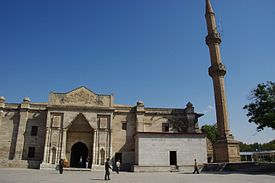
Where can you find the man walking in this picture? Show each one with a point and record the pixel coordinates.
(107, 172)
(196, 167)
(61, 165)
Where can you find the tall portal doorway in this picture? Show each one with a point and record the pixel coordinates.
(173, 158)
(79, 155)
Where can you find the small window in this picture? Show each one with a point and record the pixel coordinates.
(34, 130)
(124, 126)
(31, 152)
(165, 127)
(102, 154)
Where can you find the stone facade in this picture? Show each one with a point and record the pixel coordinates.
(81, 126)
(181, 148)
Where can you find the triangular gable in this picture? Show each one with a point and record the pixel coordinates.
(80, 96)
(81, 88)
(80, 124)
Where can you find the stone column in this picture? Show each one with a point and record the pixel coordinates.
(140, 116)
(2, 107)
(24, 112)
(59, 145)
(64, 145)
(95, 148)
(190, 115)
(46, 148)
(110, 137)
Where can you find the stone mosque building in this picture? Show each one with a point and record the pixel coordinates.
(82, 127)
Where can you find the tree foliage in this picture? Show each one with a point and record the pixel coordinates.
(257, 147)
(211, 132)
(261, 110)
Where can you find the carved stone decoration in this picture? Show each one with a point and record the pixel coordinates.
(80, 97)
(179, 125)
(56, 121)
(99, 100)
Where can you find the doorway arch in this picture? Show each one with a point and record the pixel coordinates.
(79, 155)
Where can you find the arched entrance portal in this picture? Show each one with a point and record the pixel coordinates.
(79, 154)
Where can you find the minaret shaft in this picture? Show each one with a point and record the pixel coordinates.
(226, 148)
(215, 54)
(221, 111)
(217, 71)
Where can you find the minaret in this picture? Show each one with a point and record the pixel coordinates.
(226, 148)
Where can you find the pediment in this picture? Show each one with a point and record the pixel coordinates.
(80, 96)
(80, 124)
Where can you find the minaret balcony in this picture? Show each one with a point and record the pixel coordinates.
(213, 38)
(217, 70)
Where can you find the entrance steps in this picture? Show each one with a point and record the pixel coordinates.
(182, 168)
(94, 168)
(77, 169)
(56, 167)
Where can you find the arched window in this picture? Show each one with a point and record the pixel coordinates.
(102, 156)
(53, 155)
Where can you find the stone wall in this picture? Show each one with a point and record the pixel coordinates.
(153, 149)
(17, 122)
(8, 134)
(123, 139)
(38, 141)
(103, 127)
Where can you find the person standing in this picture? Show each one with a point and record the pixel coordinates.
(80, 162)
(117, 166)
(107, 171)
(61, 165)
(87, 162)
(196, 167)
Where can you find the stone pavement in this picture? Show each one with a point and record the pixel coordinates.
(52, 176)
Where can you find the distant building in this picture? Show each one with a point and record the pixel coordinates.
(247, 156)
(81, 126)
(259, 156)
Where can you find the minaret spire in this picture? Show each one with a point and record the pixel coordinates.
(209, 8)
(210, 18)
(226, 144)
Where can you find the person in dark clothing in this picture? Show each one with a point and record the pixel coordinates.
(61, 165)
(107, 172)
(196, 167)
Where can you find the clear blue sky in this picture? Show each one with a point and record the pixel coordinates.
(150, 50)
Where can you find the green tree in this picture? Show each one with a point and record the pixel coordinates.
(261, 110)
(257, 147)
(250, 147)
(211, 132)
(269, 146)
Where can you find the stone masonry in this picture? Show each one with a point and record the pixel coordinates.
(226, 148)
(81, 126)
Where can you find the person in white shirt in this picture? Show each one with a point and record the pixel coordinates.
(117, 166)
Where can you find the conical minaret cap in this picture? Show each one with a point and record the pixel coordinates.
(208, 7)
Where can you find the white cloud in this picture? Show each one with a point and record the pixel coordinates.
(209, 109)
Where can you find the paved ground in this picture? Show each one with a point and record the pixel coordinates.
(51, 176)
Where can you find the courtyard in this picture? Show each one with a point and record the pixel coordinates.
(52, 176)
